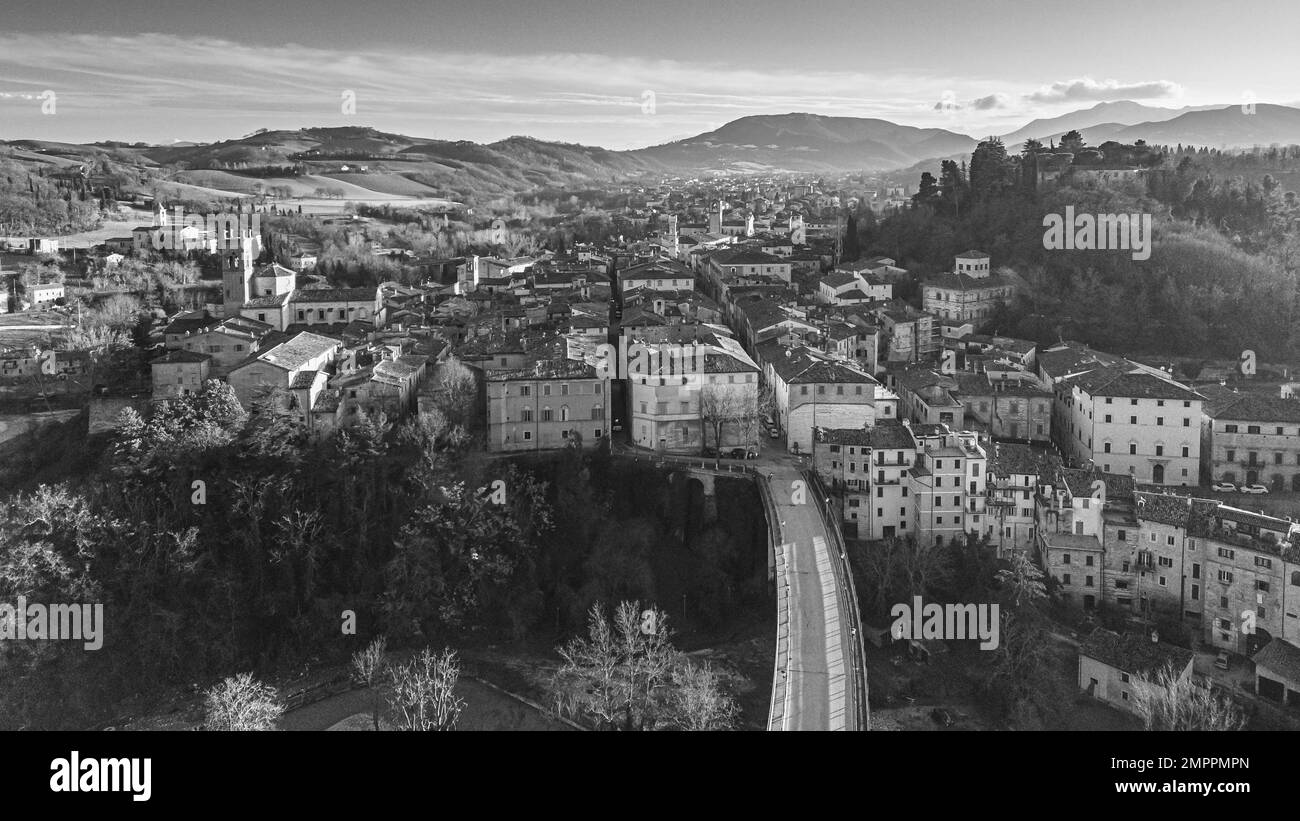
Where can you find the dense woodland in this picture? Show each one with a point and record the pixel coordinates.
(1222, 276)
(397, 523)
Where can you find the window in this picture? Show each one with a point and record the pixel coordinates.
(1132, 420)
(1132, 448)
(1227, 553)
(525, 390)
(1229, 428)
(528, 434)
(1123, 677)
(1065, 558)
(1120, 535)
(1065, 579)
(1165, 561)
(1223, 602)
(1231, 455)
(526, 414)
(1087, 560)
(1225, 576)
(1252, 429)
(1106, 447)
(1160, 450)
(1196, 592)
(1261, 585)
(546, 414)
(1196, 571)
(1087, 581)
(1186, 452)
(1263, 561)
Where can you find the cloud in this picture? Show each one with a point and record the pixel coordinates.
(136, 84)
(1088, 89)
(949, 102)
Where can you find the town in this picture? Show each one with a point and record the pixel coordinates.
(1132, 490)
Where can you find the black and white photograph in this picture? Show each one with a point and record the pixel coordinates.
(891, 366)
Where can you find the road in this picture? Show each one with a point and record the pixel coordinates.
(818, 691)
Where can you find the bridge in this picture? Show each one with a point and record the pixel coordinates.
(819, 680)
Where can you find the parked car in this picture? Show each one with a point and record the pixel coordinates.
(1224, 487)
(775, 433)
(1223, 660)
(742, 453)
(1254, 489)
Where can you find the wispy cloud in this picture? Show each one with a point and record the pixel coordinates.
(161, 87)
(1090, 90)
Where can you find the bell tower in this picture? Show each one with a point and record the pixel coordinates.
(236, 278)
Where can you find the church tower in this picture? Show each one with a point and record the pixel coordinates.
(236, 278)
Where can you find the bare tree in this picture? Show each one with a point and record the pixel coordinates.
(423, 692)
(241, 703)
(617, 676)
(721, 405)
(699, 702)
(368, 669)
(1164, 700)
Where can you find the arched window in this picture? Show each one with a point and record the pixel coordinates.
(564, 413)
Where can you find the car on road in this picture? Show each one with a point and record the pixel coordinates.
(741, 453)
(1254, 489)
(1223, 487)
(1223, 660)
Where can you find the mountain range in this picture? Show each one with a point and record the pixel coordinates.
(400, 167)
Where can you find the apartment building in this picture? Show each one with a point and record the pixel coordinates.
(554, 403)
(813, 390)
(870, 466)
(1126, 419)
(948, 485)
(1252, 439)
(704, 396)
(1016, 474)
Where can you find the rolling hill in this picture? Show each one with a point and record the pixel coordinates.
(806, 142)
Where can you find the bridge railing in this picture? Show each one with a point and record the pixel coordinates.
(848, 595)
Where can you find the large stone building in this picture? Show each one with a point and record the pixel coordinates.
(554, 403)
(1252, 439)
(971, 293)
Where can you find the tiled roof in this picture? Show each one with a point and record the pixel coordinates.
(1248, 407)
(180, 357)
(1282, 657)
(1134, 653)
(335, 295)
(1009, 458)
(1163, 508)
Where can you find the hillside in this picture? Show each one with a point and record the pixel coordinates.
(807, 142)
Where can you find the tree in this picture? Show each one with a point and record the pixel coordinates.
(852, 250)
(1072, 141)
(699, 702)
(423, 692)
(1024, 579)
(617, 677)
(368, 669)
(241, 703)
(721, 405)
(1165, 700)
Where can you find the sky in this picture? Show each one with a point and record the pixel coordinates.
(616, 74)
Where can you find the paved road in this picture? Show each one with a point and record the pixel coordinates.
(818, 691)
